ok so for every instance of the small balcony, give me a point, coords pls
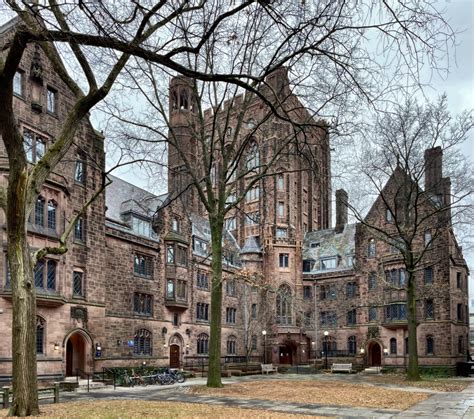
(395, 323)
(176, 302)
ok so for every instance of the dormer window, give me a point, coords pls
(329, 263)
(142, 227)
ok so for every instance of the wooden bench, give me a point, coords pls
(341, 368)
(266, 368)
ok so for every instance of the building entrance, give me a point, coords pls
(75, 354)
(174, 356)
(375, 354)
(286, 355)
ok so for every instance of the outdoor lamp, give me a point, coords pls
(362, 351)
(264, 332)
(385, 351)
(56, 346)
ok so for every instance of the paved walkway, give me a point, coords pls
(439, 405)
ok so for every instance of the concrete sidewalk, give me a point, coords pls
(438, 405)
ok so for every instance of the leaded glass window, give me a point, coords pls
(40, 334)
(77, 284)
(142, 342)
(203, 344)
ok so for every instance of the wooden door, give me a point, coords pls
(69, 358)
(375, 355)
(174, 356)
(285, 355)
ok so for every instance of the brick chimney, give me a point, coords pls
(433, 170)
(341, 210)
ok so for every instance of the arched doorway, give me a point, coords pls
(375, 355)
(175, 345)
(76, 354)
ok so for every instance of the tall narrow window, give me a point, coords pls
(39, 274)
(372, 314)
(283, 305)
(428, 238)
(351, 317)
(253, 156)
(40, 335)
(458, 280)
(51, 275)
(39, 212)
(371, 250)
(143, 304)
(143, 265)
(352, 345)
(280, 183)
(393, 346)
(170, 254)
(254, 311)
(79, 229)
(79, 171)
(372, 280)
(51, 100)
(254, 343)
(78, 284)
(429, 345)
(281, 209)
(18, 83)
(52, 215)
(429, 309)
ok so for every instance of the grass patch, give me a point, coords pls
(124, 409)
(333, 393)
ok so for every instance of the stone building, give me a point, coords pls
(360, 281)
(134, 286)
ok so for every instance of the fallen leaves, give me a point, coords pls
(334, 393)
(124, 409)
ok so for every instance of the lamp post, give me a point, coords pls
(326, 334)
(264, 333)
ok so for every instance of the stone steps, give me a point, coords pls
(372, 370)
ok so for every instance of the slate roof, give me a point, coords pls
(123, 197)
(327, 244)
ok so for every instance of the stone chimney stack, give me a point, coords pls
(433, 170)
(341, 210)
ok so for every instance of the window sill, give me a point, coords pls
(202, 321)
(78, 183)
(52, 114)
(79, 297)
(147, 277)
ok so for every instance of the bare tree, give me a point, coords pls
(215, 160)
(324, 43)
(412, 218)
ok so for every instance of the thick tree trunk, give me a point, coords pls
(413, 371)
(25, 394)
(214, 373)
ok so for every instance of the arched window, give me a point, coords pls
(51, 275)
(429, 345)
(393, 346)
(39, 211)
(283, 305)
(253, 156)
(142, 342)
(352, 345)
(371, 249)
(231, 345)
(52, 215)
(40, 334)
(203, 344)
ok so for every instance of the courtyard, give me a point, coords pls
(289, 395)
